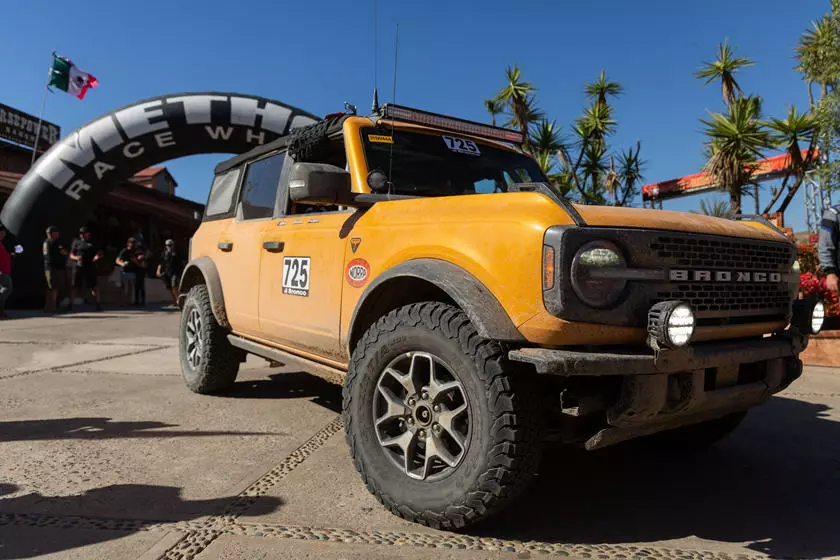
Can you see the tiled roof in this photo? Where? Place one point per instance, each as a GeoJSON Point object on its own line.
{"type": "Point", "coordinates": [149, 171]}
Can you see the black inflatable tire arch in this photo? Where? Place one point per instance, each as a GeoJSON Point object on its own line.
{"type": "Point", "coordinates": [69, 180]}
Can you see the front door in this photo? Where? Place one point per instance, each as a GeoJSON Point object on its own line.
{"type": "Point", "coordinates": [301, 278]}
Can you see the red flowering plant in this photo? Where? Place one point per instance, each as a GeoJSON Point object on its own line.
{"type": "Point", "coordinates": [812, 280]}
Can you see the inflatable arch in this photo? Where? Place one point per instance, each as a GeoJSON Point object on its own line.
{"type": "Point", "coordinates": [68, 181]}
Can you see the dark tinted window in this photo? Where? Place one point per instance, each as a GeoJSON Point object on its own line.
{"type": "Point", "coordinates": [259, 190]}
{"type": "Point", "coordinates": [220, 201]}
{"type": "Point", "coordinates": [443, 164]}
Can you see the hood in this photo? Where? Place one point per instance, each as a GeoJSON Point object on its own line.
{"type": "Point", "coordinates": [641, 218]}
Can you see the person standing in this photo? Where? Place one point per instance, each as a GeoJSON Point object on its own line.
{"type": "Point", "coordinates": [127, 261]}
{"type": "Point", "coordinates": [84, 255]}
{"type": "Point", "coordinates": [140, 281]}
{"type": "Point", "coordinates": [169, 270]}
{"type": "Point", "coordinates": [55, 269]}
{"type": "Point", "coordinates": [829, 238]}
{"type": "Point", "coordinates": [5, 274]}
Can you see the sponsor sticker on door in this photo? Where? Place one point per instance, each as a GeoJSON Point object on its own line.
{"type": "Point", "coordinates": [358, 271]}
{"type": "Point", "coordinates": [296, 276]}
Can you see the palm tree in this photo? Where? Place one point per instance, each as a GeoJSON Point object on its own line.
{"type": "Point", "coordinates": [631, 173]}
{"type": "Point", "coordinates": [494, 107]}
{"type": "Point", "coordinates": [545, 144]}
{"type": "Point", "coordinates": [598, 90]}
{"type": "Point", "coordinates": [817, 55]}
{"type": "Point", "coordinates": [716, 208]}
{"type": "Point", "coordinates": [530, 114]}
{"type": "Point", "coordinates": [723, 69]}
{"type": "Point", "coordinates": [516, 94]}
{"type": "Point", "coordinates": [789, 132]}
{"type": "Point", "coordinates": [735, 143]}
{"type": "Point", "coordinates": [595, 124]}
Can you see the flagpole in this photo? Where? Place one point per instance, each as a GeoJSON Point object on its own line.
{"type": "Point", "coordinates": [41, 116]}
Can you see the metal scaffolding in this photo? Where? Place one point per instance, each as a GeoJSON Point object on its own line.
{"type": "Point", "coordinates": [816, 200]}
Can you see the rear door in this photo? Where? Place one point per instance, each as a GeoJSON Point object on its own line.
{"type": "Point", "coordinates": [239, 244]}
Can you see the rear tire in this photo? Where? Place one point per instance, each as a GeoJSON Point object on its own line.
{"type": "Point", "coordinates": [480, 425]}
{"type": "Point", "coordinates": [209, 363]}
{"type": "Point", "coordinates": [700, 436]}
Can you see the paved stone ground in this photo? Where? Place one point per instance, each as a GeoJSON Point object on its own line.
{"type": "Point", "coordinates": [105, 454]}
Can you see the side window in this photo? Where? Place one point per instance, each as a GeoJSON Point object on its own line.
{"type": "Point", "coordinates": [220, 202]}
{"type": "Point", "coordinates": [259, 189]}
{"type": "Point", "coordinates": [485, 186]}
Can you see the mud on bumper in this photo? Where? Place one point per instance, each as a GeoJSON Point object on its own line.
{"type": "Point", "coordinates": [675, 388]}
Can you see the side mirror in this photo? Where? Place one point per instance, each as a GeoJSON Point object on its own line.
{"type": "Point", "coordinates": [318, 183]}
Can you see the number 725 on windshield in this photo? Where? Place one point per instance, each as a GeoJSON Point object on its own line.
{"type": "Point", "coordinates": [461, 145]}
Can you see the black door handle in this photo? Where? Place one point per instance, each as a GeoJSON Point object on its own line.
{"type": "Point", "coordinates": [225, 247]}
{"type": "Point", "coordinates": [274, 246]}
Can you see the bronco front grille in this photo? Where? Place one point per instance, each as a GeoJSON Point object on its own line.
{"type": "Point", "coordinates": [747, 299]}
{"type": "Point", "coordinates": [727, 280]}
{"type": "Point", "coordinates": [762, 300]}
{"type": "Point", "coordinates": [723, 254]}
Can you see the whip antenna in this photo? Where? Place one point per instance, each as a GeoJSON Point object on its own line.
{"type": "Point", "coordinates": [394, 101]}
{"type": "Point", "coordinates": [375, 107]}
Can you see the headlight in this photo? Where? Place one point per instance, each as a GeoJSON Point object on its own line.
{"type": "Point", "coordinates": [795, 268]}
{"type": "Point", "coordinates": [670, 324]}
{"type": "Point", "coordinates": [597, 274]}
{"type": "Point", "coordinates": [817, 317]}
{"type": "Point", "coordinates": [808, 316]}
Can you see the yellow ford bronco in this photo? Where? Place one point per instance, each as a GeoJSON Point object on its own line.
{"type": "Point", "coordinates": [471, 311]}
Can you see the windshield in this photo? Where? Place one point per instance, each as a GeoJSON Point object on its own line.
{"type": "Point", "coordinates": [441, 164]}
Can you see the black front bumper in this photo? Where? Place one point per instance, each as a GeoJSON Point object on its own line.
{"type": "Point", "coordinates": [620, 361]}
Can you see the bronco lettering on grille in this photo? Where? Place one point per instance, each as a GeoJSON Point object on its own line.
{"type": "Point", "coordinates": [684, 275]}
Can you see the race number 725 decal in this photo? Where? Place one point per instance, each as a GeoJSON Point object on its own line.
{"type": "Point", "coordinates": [461, 145]}
{"type": "Point", "coordinates": [296, 276]}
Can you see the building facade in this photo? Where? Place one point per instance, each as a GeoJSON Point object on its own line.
{"type": "Point", "coordinates": [144, 206]}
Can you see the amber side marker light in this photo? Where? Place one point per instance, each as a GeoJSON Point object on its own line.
{"type": "Point", "coordinates": [548, 267]}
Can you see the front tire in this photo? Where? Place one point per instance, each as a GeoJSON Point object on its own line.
{"type": "Point", "coordinates": [209, 363]}
{"type": "Point", "coordinates": [440, 429]}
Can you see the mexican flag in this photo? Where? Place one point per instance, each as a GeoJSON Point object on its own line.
{"type": "Point", "coordinates": [66, 76]}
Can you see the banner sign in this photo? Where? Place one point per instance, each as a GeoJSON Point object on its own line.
{"type": "Point", "coordinates": [21, 128]}
{"type": "Point", "coordinates": [68, 181]}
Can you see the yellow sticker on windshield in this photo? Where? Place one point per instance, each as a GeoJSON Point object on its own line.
{"type": "Point", "coordinates": [380, 139]}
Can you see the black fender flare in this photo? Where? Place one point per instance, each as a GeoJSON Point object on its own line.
{"type": "Point", "coordinates": [481, 306]}
{"type": "Point", "coordinates": [205, 267]}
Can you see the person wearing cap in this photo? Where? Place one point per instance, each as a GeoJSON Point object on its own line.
{"type": "Point", "coordinates": [127, 261]}
{"type": "Point", "coordinates": [83, 256]}
{"type": "Point", "coordinates": [5, 274]}
{"type": "Point", "coordinates": [55, 269]}
{"type": "Point", "coordinates": [169, 270]}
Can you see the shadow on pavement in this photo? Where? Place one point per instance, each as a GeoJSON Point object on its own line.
{"type": "Point", "coordinates": [293, 385]}
{"type": "Point", "coordinates": [99, 428]}
{"type": "Point", "coordinates": [135, 497]}
{"type": "Point", "coordinates": [774, 484]}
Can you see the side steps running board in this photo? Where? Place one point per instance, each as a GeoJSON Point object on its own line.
{"type": "Point", "coordinates": [329, 373]}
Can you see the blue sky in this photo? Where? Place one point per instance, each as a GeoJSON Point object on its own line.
{"type": "Point", "coordinates": [317, 54]}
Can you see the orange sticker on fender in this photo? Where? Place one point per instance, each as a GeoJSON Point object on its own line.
{"type": "Point", "coordinates": [358, 271]}
{"type": "Point", "coordinates": [381, 139]}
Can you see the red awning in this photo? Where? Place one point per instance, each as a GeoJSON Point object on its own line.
{"type": "Point", "coordinates": [768, 169]}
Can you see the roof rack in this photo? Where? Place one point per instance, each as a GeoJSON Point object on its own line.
{"type": "Point", "coordinates": [418, 116]}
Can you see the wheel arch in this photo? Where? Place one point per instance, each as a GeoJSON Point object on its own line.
{"type": "Point", "coordinates": [203, 271]}
{"type": "Point", "coordinates": [431, 280]}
